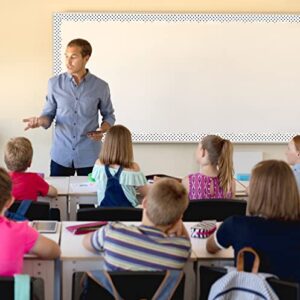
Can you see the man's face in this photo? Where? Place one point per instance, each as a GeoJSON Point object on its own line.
{"type": "Point", "coordinates": [75, 63]}
{"type": "Point", "coordinates": [292, 154]}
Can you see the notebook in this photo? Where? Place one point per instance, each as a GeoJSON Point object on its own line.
{"type": "Point", "coordinates": [45, 226]}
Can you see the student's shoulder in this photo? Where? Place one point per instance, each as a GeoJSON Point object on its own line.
{"type": "Point", "coordinates": [134, 167]}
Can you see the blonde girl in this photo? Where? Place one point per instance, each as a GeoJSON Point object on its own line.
{"type": "Point", "coordinates": [117, 175]}
{"type": "Point", "coordinates": [215, 179]}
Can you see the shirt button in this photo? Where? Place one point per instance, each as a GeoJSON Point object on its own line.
{"type": "Point", "coordinates": [74, 123]}
{"type": "Point", "coordinates": [74, 136]}
{"type": "Point", "coordinates": [73, 148]}
{"type": "Point", "coordinates": [75, 111]}
{"type": "Point", "coordinates": [77, 99]}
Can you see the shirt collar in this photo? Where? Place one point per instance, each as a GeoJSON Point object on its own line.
{"type": "Point", "coordinates": [86, 77]}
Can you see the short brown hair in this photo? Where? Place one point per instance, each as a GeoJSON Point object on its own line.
{"type": "Point", "coordinates": [296, 140]}
{"type": "Point", "coordinates": [5, 188]}
{"type": "Point", "coordinates": [220, 154]}
{"type": "Point", "coordinates": [273, 191]}
{"type": "Point", "coordinates": [117, 147]}
{"type": "Point", "coordinates": [18, 154]}
{"type": "Point", "coordinates": [86, 48]}
{"type": "Point", "coordinates": [167, 200]}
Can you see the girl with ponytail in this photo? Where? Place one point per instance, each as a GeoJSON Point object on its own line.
{"type": "Point", "coordinates": [215, 179]}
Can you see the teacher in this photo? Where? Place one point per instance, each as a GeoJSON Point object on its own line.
{"type": "Point", "coordinates": [74, 101]}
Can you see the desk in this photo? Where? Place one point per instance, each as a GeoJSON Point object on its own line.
{"type": "Point", "coordinates": [45, 268]}
{"type": "Point", "coordinates": [241, 189]}
{"type": "Point", "coordinates": [60, 202]}
{"type": "Point", "coordinates": [75, 258]}
{"type": "Point", "coordinates": [80, 191]}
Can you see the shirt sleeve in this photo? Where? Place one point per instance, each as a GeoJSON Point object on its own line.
{"type": "Point", "coordinates": [41, 185]}
{"type": "Point", "coordinates": [30, 237]}
{"type": "Point", "coordinates": [97, 238]}
{"type": "Point", "coordinates": [106, 108]}
{"type": "Point", "coordinates": [224, 235]}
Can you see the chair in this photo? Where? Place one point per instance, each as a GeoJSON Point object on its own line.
{"type": "Point", "coordinates": [110, 214]}
{"type": "Point", "coordinates": [283, 289]}
{"type": "Point", "coordinates": [214, 209]}
{"type": "Point", "coordinates": [7, 285]}
{"type": "Point", "coordinates": [131, 285]}
{"type": "Point", "coordinates": [38, 211]}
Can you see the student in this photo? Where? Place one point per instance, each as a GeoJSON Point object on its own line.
{"type": "Point", "coordinates": [272, 224]}
{"type": "Point", "coordinates": [293, 156]}
{"type": "Point", "coordinates": [215, 179]}
{"type": "Point", "coordinates": [26, 185]}
{"type": "Point", "coordinates": [115, 172]}
{"type": "Point", "coordinates": [161, 242]}
{"type": "Point", "coordinates": [18, 238]}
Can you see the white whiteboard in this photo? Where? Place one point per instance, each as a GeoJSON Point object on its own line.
{"type": "Point", "coordinates": [177, 77]}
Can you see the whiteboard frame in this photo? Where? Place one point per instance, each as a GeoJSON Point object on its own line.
{"type": "Point", "coordinates": [261, 138]}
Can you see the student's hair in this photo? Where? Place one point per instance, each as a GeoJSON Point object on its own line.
{"type": "Point", "coordinates": [5, 187]}
{"type": "Point", "coordinates": [18, 154]}
{"type": "Point", "coordinates": [86, 48]}
{"type": "Point", "coordinates": [167, 200]}
{"type": "Point", "coordinates": [220, 155]}
{"type": "Point", "coordinates": [296, 140]}
{"type": "Point", "coordinates": [117, 147]}
{"type": "Point", "coordinates": [273, 191]}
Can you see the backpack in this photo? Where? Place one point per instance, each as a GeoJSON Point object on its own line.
{"type": "Point", "coordinates": [238, 284]}
{"type": "Point", "coordinates": [19, 215]}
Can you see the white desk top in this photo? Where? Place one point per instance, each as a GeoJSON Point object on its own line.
{"type": "Point", "coordinates": [60, 183]}
{"type": "Point", "coordinates": [79, 185]}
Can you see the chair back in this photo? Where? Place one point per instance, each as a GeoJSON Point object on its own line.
{"type": "Point", "coordinates": [283, 289]}
{"type": "Point", "coordinates": [214, 209]}
{"type": "Point", "coordinates": [131, 285]}
{"type": "Point", "coordinates": [110, 214]}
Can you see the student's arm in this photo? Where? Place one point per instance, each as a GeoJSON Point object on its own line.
{"type": "Point", "coordinates": [87, 244]}
{"type": "Point", "coordinates": [94, 241]}
{"type": "Point", "coordinates": [211, 245]}
{"type": "Point", "coordinates": [143, 189]}
{"type": "Point", "coordinates": [35, 122]}
{"type": "Point", "coordinates": [52, 192]}
{"type": "Point", "coordinates": [185, 182]}
{"type": "Point", "coordinates": [45, 248]}
{"type": "Point", "coordinates": [178, 229]}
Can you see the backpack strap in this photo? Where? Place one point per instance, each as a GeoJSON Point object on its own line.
{"type": "Point", "coordinates": [103, 279]}
{"type": "Point", "coordinates": [168, 285]}
{"type": "Point", "coordinates": [240, 260]}
{"type": "Point", "coordinates": [19, 215]}
{"type": "Point", "coordinates": [21, 287]}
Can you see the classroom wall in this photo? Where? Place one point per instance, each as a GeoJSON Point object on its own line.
{"type": "Point", "coordinates": [26, 65]}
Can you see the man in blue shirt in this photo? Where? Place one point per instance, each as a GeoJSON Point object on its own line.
{"type": "Point", "coordinates": [74, 100]}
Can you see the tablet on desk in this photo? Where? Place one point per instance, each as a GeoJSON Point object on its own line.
{"type": "Point", "coordinates": [45, 226]}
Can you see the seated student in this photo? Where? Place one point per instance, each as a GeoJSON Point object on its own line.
{"type": "Point", "coordinates": [215, 179]}
{"type": "Point", "coordinates": [293, 157]}
{"type": "Point", "coordinates": [26, 185]}
{"type": "Point", "coordinates": [161, 242]}
{"type": "Point", "coordinates": [115, 172]}
{"type": "Point", "coordinates": [18, 238]}
{"type": "Point", "coordinates": [272, 224]}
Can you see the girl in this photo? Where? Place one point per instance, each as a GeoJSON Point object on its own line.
{"type": "Point", "coordinates": [272, 224]}
{"type": "Point", "coordinates": [18, 238]}
{"type": "Point", "coordinates": [215, 179]}
{"type": "Point", "coordinates": [293, 156]}
{"type": "Point", "coordinates": [116, 173]}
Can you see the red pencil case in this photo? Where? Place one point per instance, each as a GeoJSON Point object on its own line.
{"type": "Point", "coordinates": [86, 228]}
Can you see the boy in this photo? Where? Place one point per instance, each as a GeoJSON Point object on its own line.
{"type": "Point", "coordinates": [18, 238]}
{"type": "Point", "coordinates": [160, 243]}
{"type": "Point", "coordinates": [26, 185]}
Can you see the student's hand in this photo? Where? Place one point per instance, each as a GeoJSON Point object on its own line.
{"type": "Point", "coordinates": [96, 135]}
{"type": "Point", "coordinates": [177, 229]}
{"type": "Point", "coordinates": [32, 122]}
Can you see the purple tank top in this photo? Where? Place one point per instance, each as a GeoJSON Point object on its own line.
{"type": "Point", "coordinates": [205, 187]}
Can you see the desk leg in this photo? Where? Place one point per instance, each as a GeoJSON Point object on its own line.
{"type": "Point", "coordinates": [44, 269]}
{"type": "Point", "coordinates": [71, 266]}
{"type": "Point", "coordinates": [80, 199]}
{"type": "Point", "coordinates": [59, 202]}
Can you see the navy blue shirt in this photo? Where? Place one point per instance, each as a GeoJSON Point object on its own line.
{"type": "Point", "coordinates": [75, 109]}
{"type": "Point", "coordinates": [276, 242]}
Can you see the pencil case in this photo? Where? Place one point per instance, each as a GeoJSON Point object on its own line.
{"type": "Point", "coordinates": [86, 228]}
{"type": "Point", "coordinates": [203, 229]}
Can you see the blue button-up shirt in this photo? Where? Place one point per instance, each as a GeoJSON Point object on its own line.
{"type": "Point", "coordinates": [75, 109]}
{"type": "Point", "coordinates": [296, 169]}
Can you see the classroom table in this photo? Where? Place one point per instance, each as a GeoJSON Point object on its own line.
{"type": "Point", "coordinates": [47, 269]}
{"type": "Point", "coordinates": [81, 191]}
{"type": "Point", "coordinates": [241, 189]}
{"type": "Point", "coordinates": [76, 258]}
{"type": "Point", "coordinates": [61, 201]}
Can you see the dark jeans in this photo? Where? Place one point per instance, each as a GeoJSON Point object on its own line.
{"type": "Point", "coordinates": [59, 170]}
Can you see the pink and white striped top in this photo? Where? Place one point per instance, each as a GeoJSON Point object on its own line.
{"type": "Point", "coordinates": [205, 187]}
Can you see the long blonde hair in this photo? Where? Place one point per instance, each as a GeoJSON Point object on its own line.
{"type": "Point", "coordinates": [117, 147]}
{"type": "Point", "coordinates": [220, 155]}
{"type": "Point", "coordinates": [273, 191]}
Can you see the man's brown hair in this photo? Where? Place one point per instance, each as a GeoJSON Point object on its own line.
{"type": "Point", "coordinates": [5, 188]}
{"type": "Point", "coordinates": [273, 191]}
{"type": "Point", "coordinates": [167, 200]}
{"type": "Point", "coordinates": [18, 154]}
{"type": "Point", "coordinates": [86, 48]}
